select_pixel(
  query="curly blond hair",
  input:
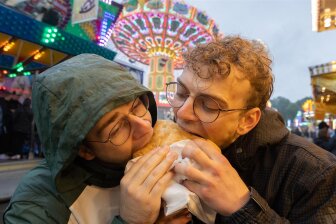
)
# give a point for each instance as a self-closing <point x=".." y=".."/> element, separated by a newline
<point x="250" y="57"/>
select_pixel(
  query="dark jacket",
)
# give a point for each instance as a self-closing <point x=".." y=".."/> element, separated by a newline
<point x="291" y="179"/>
<point x="23" y="118"/>
<point x="323" y="138"/>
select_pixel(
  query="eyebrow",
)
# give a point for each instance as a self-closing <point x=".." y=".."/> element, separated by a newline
<point x="111" y="120"/>
<point x="107" y="123"/>
<point x="218" y="99"/>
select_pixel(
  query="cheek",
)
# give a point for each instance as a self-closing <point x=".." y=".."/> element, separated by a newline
<point x="124" y="153"/>
<point x="222" y="134"/>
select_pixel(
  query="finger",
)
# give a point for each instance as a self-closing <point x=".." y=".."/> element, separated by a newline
<point x="192" y="151"/>
<point x="135" y="166"/>
<point x="192" y="186"/>
<point x="159" y="171"/>
<point x="140" y="170"/>
<point x="208" y="147"/>
<point x="162" y="185"/>
<point x="191" y="173"/>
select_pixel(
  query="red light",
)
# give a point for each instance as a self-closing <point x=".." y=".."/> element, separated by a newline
<point x="5" y="72"/>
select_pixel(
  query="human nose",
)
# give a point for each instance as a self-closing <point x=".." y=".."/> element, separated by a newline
<point x="186" y="112"/>
<point x="139" y="126"/>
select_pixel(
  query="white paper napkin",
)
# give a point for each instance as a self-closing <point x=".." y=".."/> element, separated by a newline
<point x="178" y="197"/>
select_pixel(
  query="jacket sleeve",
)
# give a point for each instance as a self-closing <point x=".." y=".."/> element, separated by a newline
<point x="317" y="204"/>
<point x="23" y="212"/>
<point x="256" y="210"/>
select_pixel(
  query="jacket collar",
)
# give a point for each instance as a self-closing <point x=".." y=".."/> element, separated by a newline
<point x="270" y="130"/>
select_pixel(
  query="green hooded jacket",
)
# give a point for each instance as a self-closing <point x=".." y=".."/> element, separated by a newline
<point x="68" y="99"/>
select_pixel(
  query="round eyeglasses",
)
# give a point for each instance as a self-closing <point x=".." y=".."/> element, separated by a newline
<point x="205" y="108"/>
<point x="121" y="131"/>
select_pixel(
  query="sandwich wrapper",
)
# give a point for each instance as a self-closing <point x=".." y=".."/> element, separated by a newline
<point x="178" y="197"/>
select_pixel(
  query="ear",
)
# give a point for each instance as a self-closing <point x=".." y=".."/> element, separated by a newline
<point x="248" y="121"/>
<point x="86" y="153"/>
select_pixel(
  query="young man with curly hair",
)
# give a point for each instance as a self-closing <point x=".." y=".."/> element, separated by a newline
<point x="263" y="173"/>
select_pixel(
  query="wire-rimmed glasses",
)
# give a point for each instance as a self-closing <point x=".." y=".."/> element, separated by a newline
<point x="121" y="131"/>
<point x="205" y="108"/>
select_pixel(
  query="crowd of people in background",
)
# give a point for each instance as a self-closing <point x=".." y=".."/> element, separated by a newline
<point x="323" y="136"/>
<point x="17" y="134"/>
<point x="325" y="139"/>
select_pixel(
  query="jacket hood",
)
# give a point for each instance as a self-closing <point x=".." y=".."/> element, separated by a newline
<point x="68" y="99"/>
<point x="269" y="131"/>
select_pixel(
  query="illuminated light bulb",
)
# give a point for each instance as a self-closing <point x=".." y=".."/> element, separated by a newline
<point x="38" y="55"/>
<point x="8" y="46"/>
<point x="327" y="22"/>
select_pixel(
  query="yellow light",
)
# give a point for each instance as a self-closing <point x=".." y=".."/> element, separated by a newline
<point x="38" y="55"/>
<point x="8" y="46"/>
<point x="327" y="22"/>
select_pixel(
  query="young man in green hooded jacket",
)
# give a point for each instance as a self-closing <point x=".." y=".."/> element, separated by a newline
<point x="91" y="115"/>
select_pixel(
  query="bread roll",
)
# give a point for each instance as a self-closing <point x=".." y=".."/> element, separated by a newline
<point x="165" y="133"/>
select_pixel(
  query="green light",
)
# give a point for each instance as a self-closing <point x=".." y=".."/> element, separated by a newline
<point x="18" y="65"/>
<point x="50" y="35"/>
<point x="12" y="75"/>
<point x="26" y="73"/>
<point x="20" y="69"/>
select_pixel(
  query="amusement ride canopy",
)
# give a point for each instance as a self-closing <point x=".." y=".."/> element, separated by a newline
<point x="156" y="32"/>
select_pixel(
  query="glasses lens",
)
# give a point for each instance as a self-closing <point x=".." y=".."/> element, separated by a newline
<point x="120" y="132"/>
<point x="140" y="106"/>
<point x="206" y="109"/>
<point x="176" y="94"/>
